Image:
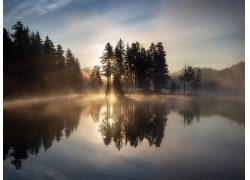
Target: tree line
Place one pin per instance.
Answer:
(134, 68)
(32, 66)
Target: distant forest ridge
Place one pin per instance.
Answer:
(229, 81)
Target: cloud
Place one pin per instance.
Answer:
(20, 9)
(87, 1)
(188, 35)
(192, 31)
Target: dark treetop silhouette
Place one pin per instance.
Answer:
(135, 68)
(95, 78)
(35, 67)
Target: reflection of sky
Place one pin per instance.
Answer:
(199, 150)
(199, 33)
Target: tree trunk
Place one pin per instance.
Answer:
(184, 86)
(107, 88)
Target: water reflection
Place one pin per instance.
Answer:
(131, 121)
(29, 128)
(190, 112)
(125, 121)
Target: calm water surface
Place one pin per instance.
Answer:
(124, 138)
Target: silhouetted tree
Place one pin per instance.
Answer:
(60, 59)
(73, 70)
(8, 63)
(33, 67)
(128, 81)
(22, 58)
(160, 72)
(38, 64)
(188, 75)
(177, 88)
(76, 76)
(118, 69)
(49, 52)
(149, 63)
(107, 62)
(133, 63)
(49, 58)
(196, 82)
(142, 69)
(95, 78)
(172, 87)
(135, 68)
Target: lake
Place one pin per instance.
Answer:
(136, 137)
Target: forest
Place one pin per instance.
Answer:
(136, 70)
(36, 67)
(227, 82)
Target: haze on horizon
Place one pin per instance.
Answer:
(209, 33)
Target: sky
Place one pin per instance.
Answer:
(207, 33)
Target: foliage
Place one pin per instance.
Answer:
(33, 67)
(161, 76)
(135, 68)
(188, 75)
(107, 60)
(225, 82)
(173, 87)
(118, 68)
(95, 78)
(196, 82)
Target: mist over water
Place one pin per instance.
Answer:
(142, 107)
(148, 133)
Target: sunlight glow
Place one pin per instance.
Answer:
(111, 120)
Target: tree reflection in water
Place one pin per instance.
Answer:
(190, 111)
(131, 121)
(28, 128)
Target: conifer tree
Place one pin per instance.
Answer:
(188, 75)
(107, 60)
(22, 57)
(160, 72)
(172, 87)
(60, 59)
(8, 63)
(196, 82)
(32, 66)
(128, 74)
(95, 78)
(118, 68)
